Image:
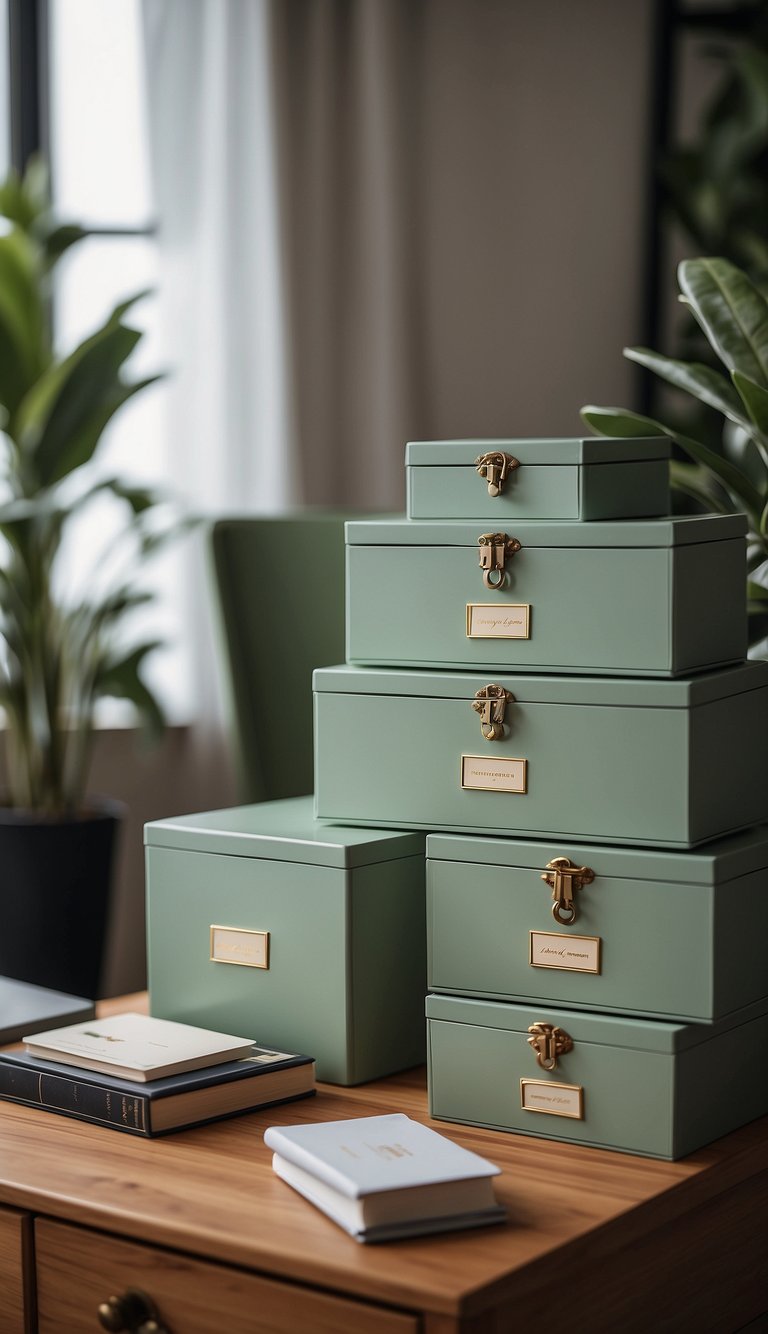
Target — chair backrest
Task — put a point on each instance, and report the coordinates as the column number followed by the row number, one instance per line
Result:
column 280, row 588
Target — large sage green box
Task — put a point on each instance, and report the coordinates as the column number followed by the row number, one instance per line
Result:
column 497, row 481
column 604, row 759
column 667, row 935
column 637, row 1085
column 310, row 939
column 654, row 597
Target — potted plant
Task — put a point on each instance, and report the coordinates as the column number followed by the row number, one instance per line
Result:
column 733, row 314
column 61, row 650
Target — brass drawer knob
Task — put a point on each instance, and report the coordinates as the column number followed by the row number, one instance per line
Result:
column 565, row 880
column 549, row 1042
column 494, row 468
column 133, row 1311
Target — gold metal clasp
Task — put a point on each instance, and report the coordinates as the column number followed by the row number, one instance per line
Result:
column 491, row 703
column 566, row 879
column 493, row 550
column 495, row 467
column 549, row 1043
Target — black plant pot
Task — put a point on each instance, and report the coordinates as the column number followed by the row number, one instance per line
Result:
column 55, row 891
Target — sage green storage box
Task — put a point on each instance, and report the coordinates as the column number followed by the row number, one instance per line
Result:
column 547, row 479
column 659, row 597
column 667, row 935
column 643, row 1087
column 604, row 759
column 264, row 923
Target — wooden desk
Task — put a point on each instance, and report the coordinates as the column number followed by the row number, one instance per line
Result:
column 595, row 1241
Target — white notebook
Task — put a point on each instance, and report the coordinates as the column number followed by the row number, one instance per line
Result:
column 135, row 1046
column 385, row 1177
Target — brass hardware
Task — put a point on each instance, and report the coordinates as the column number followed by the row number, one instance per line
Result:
column 549, row 1042
column 495, row 468
column 133, row 1312
column 566, row 879
column 493, row 550
column 491, row 703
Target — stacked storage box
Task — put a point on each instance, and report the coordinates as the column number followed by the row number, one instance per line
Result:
column 536, row 654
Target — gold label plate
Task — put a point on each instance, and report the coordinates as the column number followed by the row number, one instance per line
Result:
column 541, row 1095
column 483, row 773
column 239, row 945
column 572, row 954
column 494, row 620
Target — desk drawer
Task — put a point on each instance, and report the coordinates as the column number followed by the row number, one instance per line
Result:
column 16, row 1278
column 78, row 1269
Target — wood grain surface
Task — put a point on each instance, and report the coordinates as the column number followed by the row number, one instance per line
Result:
column 16, row 1279
column 78, row 1269
column 615, row 1240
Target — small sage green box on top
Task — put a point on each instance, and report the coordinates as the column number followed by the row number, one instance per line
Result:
column 665, row 935
column 633, row 1084
column 654, row 597
column 306, row 938
column 604, row 759
column 496, row 481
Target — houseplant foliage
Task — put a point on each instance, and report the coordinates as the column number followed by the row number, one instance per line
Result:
column 61, row 653
column 63, row 645
column 733, row 315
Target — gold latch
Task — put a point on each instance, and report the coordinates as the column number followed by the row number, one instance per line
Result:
column 565, row 880
column 495, row 468
column 490, row 703
column 493, row 550
column 549, row 1042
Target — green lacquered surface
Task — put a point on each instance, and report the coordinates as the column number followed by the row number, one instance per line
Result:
column 661, row 597
column 281, row 831
column 666, row 763
column 651, row 1089
column 337, row 938
column 571, row 479
column 685, row 941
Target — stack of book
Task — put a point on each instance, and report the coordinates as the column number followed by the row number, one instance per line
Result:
column 150, row 1076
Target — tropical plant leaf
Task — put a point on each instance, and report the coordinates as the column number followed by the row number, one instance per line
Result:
column 706, row 384
column 731, row 311
column 755, row 399
column 692, row 480
column 120, row 678
column 60, row 239
column 619, row 422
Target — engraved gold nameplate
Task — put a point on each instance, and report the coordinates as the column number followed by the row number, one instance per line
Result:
column 231, row 944
column 487, row 620
column 493, row 775
column 572, row 954
column 538, row 1095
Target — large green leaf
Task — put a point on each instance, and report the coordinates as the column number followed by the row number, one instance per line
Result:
column 695, row 378
column 87, row 395
column 621, row 422
column 692, row 480
column 755, row 399
column 121, row 679
column 41, row 400
column 731, row 311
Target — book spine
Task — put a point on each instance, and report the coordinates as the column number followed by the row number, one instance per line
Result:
column 73, row 1097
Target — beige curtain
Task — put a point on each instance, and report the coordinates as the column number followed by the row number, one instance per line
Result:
column 345, row 82
column 460, row 207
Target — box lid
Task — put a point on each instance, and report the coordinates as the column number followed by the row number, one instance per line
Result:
column 284, row 831
column 605, row 1030
column 533, row 452
column 625, row 692
column 724, row 859
column 683, row 530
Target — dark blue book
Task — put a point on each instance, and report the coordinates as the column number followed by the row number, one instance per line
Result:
column 156, row 1108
